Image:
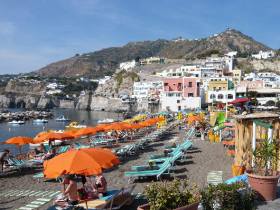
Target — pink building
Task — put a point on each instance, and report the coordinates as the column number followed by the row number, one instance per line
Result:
column 251, row 84
column 187, row 86
column 180, row 93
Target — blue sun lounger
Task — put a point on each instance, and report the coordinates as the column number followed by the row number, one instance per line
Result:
column 163, row 169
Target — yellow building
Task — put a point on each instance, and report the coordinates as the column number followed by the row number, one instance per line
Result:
column 236, row 76
column 218, row 84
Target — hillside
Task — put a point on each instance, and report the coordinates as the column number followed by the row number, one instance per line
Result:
column 105, row 61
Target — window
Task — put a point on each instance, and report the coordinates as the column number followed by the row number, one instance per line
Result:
column 230, row 96
column 212, row 96
column 190, row 84
column 179, row 108
column 190, row 94
column 220, row 96
column 178, row 101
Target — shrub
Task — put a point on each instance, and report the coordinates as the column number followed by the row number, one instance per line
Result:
column 171, row 195
column 235, row 196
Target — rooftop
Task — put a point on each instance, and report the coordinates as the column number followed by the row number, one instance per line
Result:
column 257, row 115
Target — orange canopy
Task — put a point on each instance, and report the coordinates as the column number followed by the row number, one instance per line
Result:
column 19, row 140
column 88, row 162
column 52, row 136
column 85, row 131
column 118, row 126
column 101, row 127
column 137, row 126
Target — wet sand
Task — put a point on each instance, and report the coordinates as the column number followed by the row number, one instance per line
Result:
column 201, row 159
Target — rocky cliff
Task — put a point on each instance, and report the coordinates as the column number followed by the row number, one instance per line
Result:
column 100, row 103
column 84, row 101
column 271, row 64
column 30, row 87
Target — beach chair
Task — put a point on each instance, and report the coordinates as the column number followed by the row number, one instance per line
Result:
column 63, row 149
column 177, row 149
column 114, row 199
column 80, row 146
column 163, row 169
column 176, row 156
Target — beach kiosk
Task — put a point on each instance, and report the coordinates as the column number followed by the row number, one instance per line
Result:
column 251, row 129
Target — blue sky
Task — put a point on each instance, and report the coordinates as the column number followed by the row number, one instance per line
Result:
column 34, row 33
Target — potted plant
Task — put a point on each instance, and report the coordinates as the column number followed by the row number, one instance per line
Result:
column 227, row 197
column 263, row 177
column 175, row 195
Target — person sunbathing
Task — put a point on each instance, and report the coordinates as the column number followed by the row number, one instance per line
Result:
column 100, row 185
column 41, row 149
column 50, row 154
column 70, row 194
column 3, row 156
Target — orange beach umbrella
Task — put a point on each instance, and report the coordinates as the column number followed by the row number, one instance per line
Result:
column 51, row 136
column 85, row 131
column 19, row 140
column 87, row 162
column 118, row 126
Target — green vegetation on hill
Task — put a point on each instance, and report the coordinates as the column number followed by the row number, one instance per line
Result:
column 104, row 62
column 120, row 76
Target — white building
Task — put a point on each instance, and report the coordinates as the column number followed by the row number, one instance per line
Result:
column 271, row 80
column 147, row 89
column 103, row 80
column 53, row 92
column 172, row 102
column 264, row 54
column 222, row 96
column 151, row 60
column 52, row 86
column 207, row 72
column 127, row 65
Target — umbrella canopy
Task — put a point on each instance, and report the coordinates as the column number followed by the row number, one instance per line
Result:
column 19, row 140
column 239, row 100
column 85, row 131
column 51, row 136
column 101, row 127
column 87, row 162
column 119, row 126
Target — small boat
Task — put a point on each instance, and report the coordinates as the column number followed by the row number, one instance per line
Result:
column 17, row 122
column 108, row 120
column 75, row 125
column 40, row 121
column 62, row 119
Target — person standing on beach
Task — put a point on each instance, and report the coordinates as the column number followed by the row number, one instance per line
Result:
column 3, row 156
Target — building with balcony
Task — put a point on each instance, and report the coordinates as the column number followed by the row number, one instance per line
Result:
column 220, row 96
column 180, row 94
column 147, row 89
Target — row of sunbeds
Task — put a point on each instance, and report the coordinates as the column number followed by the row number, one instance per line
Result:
column 161, row 164
column 141, row 144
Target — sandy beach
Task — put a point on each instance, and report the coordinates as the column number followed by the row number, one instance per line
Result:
column 200, row 159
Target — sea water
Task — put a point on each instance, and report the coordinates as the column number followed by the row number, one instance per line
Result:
column 30, row 129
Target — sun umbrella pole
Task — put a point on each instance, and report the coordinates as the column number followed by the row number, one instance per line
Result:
column 86, row 199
